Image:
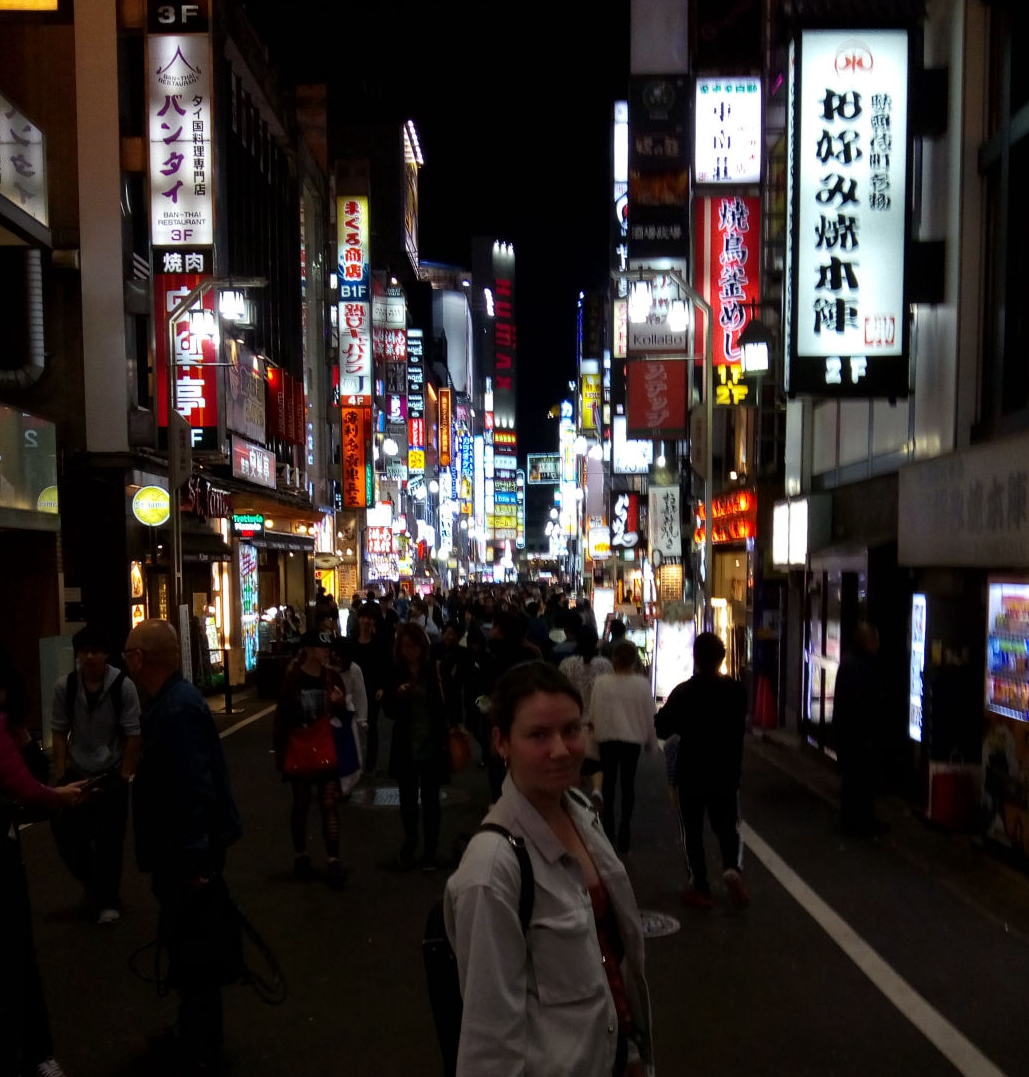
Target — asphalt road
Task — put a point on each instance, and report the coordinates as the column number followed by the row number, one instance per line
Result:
column 904, row 955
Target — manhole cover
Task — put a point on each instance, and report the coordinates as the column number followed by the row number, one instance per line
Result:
column 657, row 924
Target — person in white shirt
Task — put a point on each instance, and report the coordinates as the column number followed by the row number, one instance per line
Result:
column 568, row 994
column 622, row 708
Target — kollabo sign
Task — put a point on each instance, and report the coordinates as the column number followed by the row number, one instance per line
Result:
column 848, row 333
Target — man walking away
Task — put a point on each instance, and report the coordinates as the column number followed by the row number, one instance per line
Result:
column 95, row 736
column 709, row 713
column 184, row 817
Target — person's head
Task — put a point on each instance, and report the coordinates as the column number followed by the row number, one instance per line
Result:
column 511, row 626
column 366, row 623
column 475, row 639
column 316, row 648
column 623, row 656
column 416, row 611
column 708, row 652
column 152, row 654
column 450, row 635
column 586, row 641
column 411, row 646
column 571, row 622
column 341, row 653
column 616, row 631
column 537, row 716
column 92, row 649
column 866, row 636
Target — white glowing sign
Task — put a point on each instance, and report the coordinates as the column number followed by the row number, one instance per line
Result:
column 728, row 126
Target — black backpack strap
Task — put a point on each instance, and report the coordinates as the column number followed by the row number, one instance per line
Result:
column 71, row 690
column 580, row 797
column 527, row 894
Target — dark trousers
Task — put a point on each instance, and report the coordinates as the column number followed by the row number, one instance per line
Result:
column 91, row 839
column 723, row 812
column 371, row 744
column 200, row 1019
column 618, row 760
column 857, row 789
column 424, row 779
column 25, row 1039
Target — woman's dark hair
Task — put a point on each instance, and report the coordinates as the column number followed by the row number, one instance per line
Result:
column 343, row 651
column 525, row 680
column 624, row 654
column 586, row 643
column 415, row 632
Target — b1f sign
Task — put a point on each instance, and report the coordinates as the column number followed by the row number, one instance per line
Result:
column 848, row 332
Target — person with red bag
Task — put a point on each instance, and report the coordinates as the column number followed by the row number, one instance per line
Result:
column 312, row 695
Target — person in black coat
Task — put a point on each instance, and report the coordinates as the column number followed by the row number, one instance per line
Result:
column 857, row 709
column 709, row 713
column 419, row 754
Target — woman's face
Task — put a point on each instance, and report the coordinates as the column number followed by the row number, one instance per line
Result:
column 546, row 747
column 410, row 652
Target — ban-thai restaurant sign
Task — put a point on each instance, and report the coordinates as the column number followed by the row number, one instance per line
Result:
column 656, row 404
column 848, row 333
column 728, row 270
column 179, row 105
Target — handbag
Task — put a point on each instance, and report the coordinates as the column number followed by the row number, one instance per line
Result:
column 460, row 749
column 310, row 751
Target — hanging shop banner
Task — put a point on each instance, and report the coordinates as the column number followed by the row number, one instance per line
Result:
column 357, row 477
column 728, row 130
column 415, row 373
column 591, row 402
column 179, row 106
column 848, row 330
column 629, row 456
column 252, row 463
column 23, row 148
column 659, row 165
column 354, row 275
column 664, row 520
column 446, row 430
column 544, row 469
column 656, row 398
column 245, row 380
column 625, row 517
column 194, row 356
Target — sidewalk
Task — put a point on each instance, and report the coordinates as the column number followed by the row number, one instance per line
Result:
column 967, row 866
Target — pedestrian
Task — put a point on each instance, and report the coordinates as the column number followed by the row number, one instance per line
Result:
column 709, row 712
column 858, row 706
column 568, row 995
column 184, row 818
column 347, row 730
column 311, row 690
column 582, row 668
column 419, row 747
column 26, row 1042
column 95, row 723
column 622, row 709
column 371, row 655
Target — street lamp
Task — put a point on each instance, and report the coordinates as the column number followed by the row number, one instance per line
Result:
column 180, row 455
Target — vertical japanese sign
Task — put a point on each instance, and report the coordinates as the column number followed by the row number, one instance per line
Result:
column 591, row 389
column 624, row 520
column 663, row 517
column 354, row 274
column 728, row 130
column 357, row 479
column 445, row 428
column 181, row 118
column 505, row 334
column 728, row 277
column 848, row 332
column 656, row 398
column 23, row 163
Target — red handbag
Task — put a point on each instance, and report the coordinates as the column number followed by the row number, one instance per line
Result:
column 310, row 751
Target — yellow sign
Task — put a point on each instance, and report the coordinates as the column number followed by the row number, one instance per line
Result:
column 47, row 500
column 416, row 459
column 591, row 390
column 151, row 506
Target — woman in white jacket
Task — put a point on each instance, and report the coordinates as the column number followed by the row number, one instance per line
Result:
column 565, row 997
column 623, row 722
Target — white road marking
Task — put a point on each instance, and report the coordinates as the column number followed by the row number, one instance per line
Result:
column 246, row 721
column 962, row 1054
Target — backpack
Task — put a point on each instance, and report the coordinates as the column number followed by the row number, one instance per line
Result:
column 71, row 691
column 441, row 961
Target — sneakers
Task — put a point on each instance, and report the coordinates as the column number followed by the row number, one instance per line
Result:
column 50, row 1067
column 108, row 916
column 697, row 899
column 335, row 875
column 737, row 891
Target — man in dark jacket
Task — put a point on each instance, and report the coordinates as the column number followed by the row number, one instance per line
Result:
column 857, row 709
column 709, row 713
column 184, row 817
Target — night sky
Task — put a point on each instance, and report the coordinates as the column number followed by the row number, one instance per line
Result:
column 513, row 106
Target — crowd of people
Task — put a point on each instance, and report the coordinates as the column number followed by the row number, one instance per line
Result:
column 561, row 718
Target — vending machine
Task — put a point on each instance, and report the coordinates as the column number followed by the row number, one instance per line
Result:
column 1006, row 736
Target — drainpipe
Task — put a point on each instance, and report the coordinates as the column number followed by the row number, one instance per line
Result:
column 32, row 370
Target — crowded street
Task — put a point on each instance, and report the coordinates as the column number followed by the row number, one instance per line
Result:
column 897, row 955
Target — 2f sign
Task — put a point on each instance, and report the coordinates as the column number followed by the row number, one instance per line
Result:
column 176, row 18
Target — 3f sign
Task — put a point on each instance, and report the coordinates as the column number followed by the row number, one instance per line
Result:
column 178, row 14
